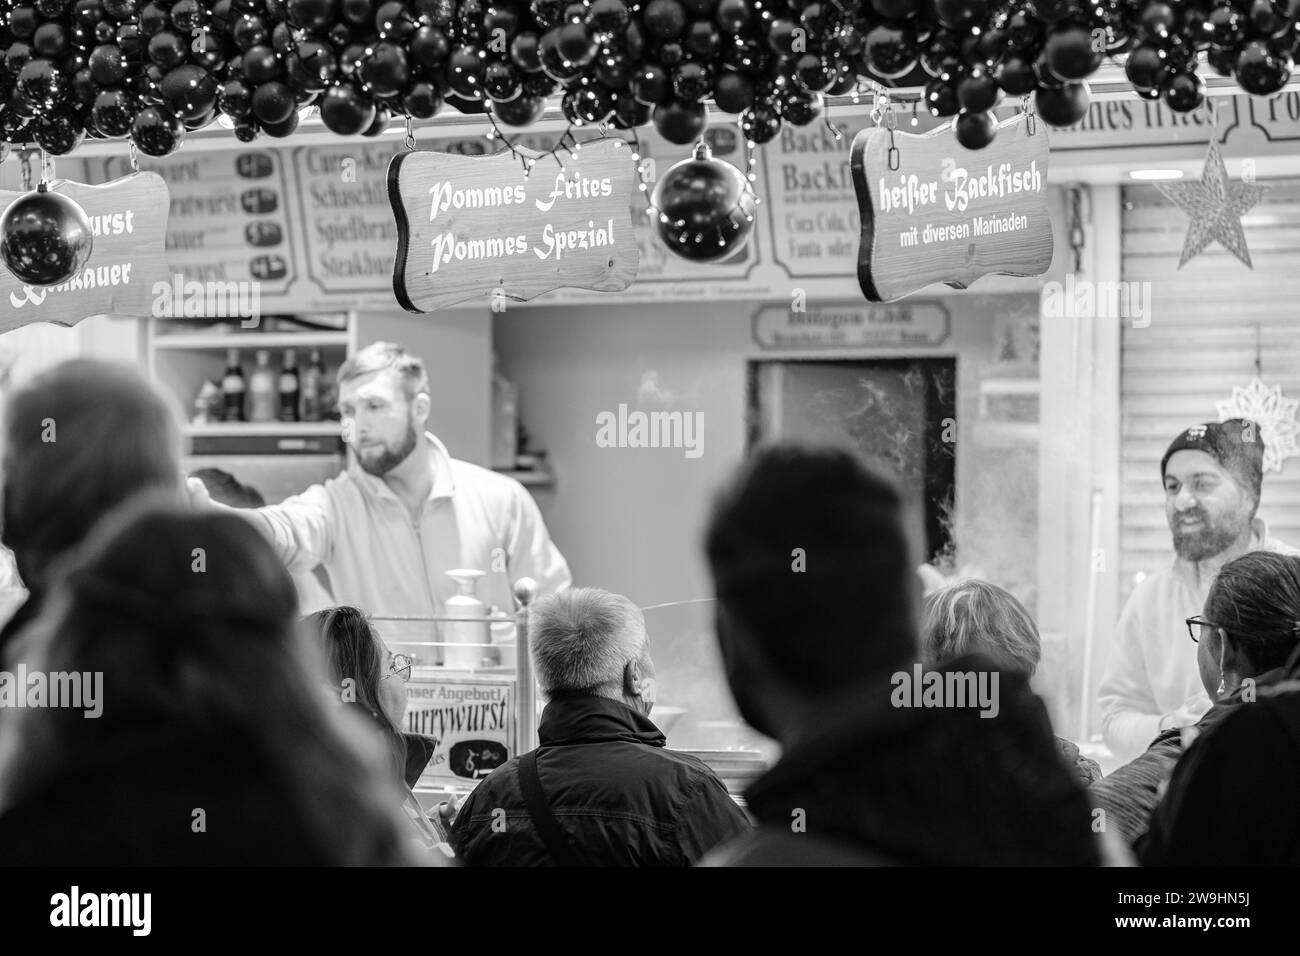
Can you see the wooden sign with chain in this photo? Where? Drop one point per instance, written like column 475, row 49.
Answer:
column 934, row 211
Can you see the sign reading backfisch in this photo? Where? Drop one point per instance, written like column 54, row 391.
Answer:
column 934, row 211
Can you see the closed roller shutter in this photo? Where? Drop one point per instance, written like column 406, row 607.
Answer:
column 1200, row 343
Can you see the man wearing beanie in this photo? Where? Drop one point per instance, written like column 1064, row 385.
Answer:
column 816, row 621
column 1212, row 475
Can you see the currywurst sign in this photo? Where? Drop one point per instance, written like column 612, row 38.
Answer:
column 934, row 211
column 476, row 226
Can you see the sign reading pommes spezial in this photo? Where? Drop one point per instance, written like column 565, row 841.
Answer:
column 476, row 226
column 934, row 211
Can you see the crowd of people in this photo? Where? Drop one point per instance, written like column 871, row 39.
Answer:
column 235, row 730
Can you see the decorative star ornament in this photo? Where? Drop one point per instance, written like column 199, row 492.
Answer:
column 1275, row 415
column 1214, row 208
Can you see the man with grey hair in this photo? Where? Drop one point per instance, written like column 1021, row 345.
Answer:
column 602, row 789
column 405, row 512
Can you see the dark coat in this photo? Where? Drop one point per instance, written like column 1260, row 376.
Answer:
column 879, row 784
column 133, row 803
column 619, row 795
column 1232, row 798
column 1130, row 793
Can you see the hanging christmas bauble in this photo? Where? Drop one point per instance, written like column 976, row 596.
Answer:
column 59, row 132
column 157, row 131
column 692, row 81
column 273, row 102
column 630, row 112
column 1070, row 51
column 1260, row 71
column 679, row 122
column 733, row 91
column 1063, row 107
column 311, row 14
column 606, row 18
column 705, row 212
column 429, row 47
column 960, row 14
column 422, row 100
column 664, row 19
column 760, row 123
column 523, row 110
column 190, row 91
column 976, row 130
column 1184, row 92
column 113, row 112
column 464, row 72
column 891, row 49
column 380, row 123
column 941, row 98
column 800, row 109
column 1016, row 75
column 40, row 82
column 734, row 15
column 1147, row 67
column 977, row 91
column 652, row 84
column 346, row 110
column 501, row 81
column 45, row 237
column 384, row 70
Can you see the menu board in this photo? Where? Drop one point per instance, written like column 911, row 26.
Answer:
column 812, row 211
column 348, row 230
column 228, row 218
column 471, row 720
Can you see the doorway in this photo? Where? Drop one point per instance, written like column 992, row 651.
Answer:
column 900, row 414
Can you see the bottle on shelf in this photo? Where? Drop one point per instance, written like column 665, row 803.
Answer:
column 311, row 381
column 233, row 389
column 262, row 392
column 289, row 388
column 460, row 631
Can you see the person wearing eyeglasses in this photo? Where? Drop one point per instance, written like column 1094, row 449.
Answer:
column 365, row 675
column 1245, row 640
column 1212, row 475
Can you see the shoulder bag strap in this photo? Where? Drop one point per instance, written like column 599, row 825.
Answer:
column 539, row 811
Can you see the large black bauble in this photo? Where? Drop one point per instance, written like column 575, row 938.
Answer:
column 347, row 110
column 706, row 213
column 679, row 122
column 157, row 131
column 1063, row 107
column 45, row 238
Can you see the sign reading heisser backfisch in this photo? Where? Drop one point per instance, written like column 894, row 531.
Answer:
column 476, row 226
column 934, row 211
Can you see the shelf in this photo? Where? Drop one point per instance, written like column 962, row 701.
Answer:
column 533, row 479
column 250, row 341
column 284, row 429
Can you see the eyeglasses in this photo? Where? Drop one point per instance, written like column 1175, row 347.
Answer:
column 1193, row 623
column 399, row 668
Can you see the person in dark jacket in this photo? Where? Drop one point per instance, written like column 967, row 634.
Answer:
column 968, row 617
column 1232, row 796
column 210, row 742
column 1252, row 591
column 80, row 439
column 603, row 789
column 816, row 621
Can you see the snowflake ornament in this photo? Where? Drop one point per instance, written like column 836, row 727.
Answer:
column 1275, row 415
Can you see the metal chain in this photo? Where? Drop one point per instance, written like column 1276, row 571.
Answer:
column 410, row 134
column 135, row 159
column 1076, row 226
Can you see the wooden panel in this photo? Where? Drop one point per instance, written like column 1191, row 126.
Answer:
column 934, row 211
column 1201, row 341
column 129, row 216
column 475, row 226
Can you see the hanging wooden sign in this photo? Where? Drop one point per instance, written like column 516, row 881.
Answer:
column 476, row 226
column 934, row 211
column 128, row 218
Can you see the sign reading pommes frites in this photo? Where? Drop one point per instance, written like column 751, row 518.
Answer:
column 476, row 226
column 934, row 211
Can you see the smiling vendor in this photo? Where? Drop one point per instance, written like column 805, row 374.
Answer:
column 405, row 512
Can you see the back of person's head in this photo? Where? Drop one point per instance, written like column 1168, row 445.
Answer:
column 582, row 641
column 189, row 617
column 810, row 558
column 354, row 664
column 1256, row 599
column 80, row 439
column 975, row 617
column 226, row 489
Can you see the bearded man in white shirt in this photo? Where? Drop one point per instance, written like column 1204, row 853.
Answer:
column 405, row 512
column 1212, row 475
